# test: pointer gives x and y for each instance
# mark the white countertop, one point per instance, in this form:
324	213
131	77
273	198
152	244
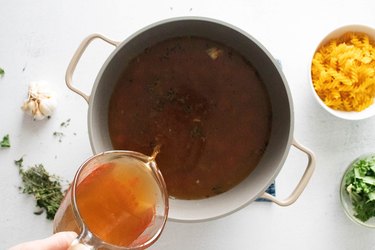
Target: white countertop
37	40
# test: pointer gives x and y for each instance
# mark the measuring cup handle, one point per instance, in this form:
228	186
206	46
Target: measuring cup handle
77	56
302	183
77	245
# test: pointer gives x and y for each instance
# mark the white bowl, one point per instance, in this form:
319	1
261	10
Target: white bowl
348	115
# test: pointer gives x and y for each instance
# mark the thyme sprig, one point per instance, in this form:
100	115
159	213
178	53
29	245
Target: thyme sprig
46	188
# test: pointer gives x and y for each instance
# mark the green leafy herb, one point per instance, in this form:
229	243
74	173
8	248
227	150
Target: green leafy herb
360	185
5	143
2	72
59	135
65	124
19	163
46	188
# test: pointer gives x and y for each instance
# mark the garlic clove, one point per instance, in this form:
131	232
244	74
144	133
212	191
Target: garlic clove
47	106
29	107
38	115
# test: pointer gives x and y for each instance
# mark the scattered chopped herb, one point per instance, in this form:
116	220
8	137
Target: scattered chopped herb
59	135
188	108
65	124
46	188
5	143
2	72
217	189
159	106
360	185
171	95
19	163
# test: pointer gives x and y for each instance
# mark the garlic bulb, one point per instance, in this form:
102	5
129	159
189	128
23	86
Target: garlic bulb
41	102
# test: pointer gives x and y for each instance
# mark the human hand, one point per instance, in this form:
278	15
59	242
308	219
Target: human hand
58	241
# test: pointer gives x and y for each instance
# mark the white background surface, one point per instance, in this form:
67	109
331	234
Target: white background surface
37	40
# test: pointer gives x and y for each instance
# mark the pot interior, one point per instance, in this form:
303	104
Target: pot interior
269	71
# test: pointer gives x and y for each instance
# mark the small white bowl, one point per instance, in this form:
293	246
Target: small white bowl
347	115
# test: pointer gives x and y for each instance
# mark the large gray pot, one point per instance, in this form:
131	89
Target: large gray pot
281	139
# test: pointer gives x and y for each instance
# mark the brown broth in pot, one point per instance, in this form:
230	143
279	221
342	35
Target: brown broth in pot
203	103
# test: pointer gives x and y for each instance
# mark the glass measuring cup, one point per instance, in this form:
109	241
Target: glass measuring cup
118	201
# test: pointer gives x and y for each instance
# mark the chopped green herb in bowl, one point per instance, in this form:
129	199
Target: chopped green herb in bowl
358	190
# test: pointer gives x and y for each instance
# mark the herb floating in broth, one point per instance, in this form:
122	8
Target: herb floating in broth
2	72
46	188
5	143
360	185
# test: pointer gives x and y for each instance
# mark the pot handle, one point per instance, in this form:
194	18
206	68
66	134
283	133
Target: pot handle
302	183
77	56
